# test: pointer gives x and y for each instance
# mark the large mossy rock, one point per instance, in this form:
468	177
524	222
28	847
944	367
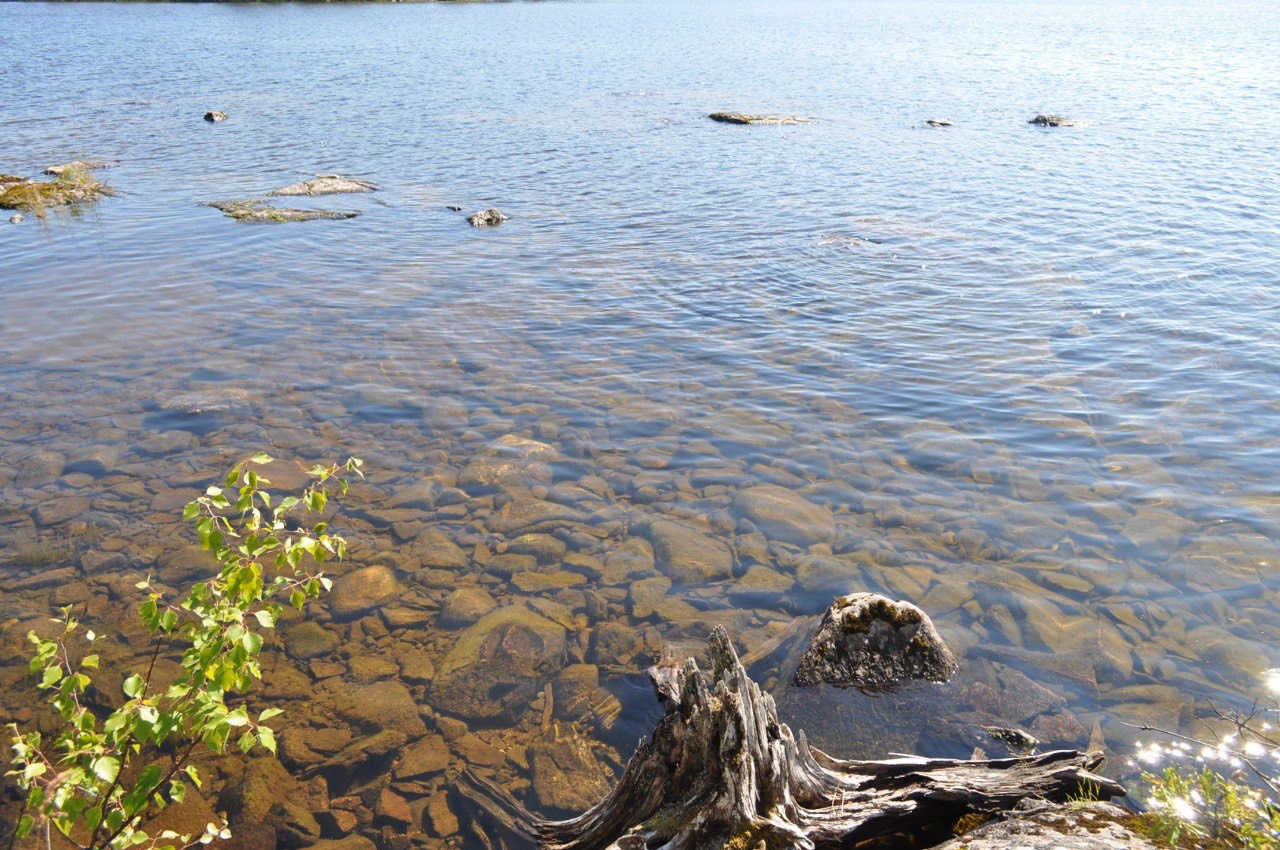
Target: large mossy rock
868	640
499	664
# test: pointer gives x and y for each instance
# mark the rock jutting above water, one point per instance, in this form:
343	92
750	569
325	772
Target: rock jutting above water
1053	121
215	117
258	211
486	218
743	118
868	640
71	187
327	184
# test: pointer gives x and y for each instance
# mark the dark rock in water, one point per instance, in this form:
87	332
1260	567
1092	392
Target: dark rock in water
868	640
1053	121
499	664
742	118
257	211
328	184
215	117
486	218
1018	741
938	122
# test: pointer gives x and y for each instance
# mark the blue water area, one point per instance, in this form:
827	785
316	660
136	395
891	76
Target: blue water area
1031	374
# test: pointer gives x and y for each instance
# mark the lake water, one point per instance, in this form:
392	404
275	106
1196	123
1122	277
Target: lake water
1032	373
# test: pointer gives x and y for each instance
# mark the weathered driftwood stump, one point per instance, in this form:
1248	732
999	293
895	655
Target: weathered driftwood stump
721	770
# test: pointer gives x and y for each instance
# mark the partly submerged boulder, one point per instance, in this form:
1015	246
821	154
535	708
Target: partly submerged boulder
327	184
1053	121
486	218
868	640
72	187
215	117
743	118
259	212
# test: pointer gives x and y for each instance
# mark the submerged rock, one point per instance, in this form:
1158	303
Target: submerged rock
257	211
566	774
786	515
743	118
201	402
688	555
869	640
382	707
215	117
499	664
465	606
1053	121
486	218
327	184
363	590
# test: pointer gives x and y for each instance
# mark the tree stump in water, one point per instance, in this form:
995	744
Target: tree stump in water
721	770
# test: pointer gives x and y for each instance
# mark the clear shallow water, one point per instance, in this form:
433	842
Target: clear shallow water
1033	372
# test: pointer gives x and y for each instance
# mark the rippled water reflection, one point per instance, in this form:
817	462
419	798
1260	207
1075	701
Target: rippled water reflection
1030	373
